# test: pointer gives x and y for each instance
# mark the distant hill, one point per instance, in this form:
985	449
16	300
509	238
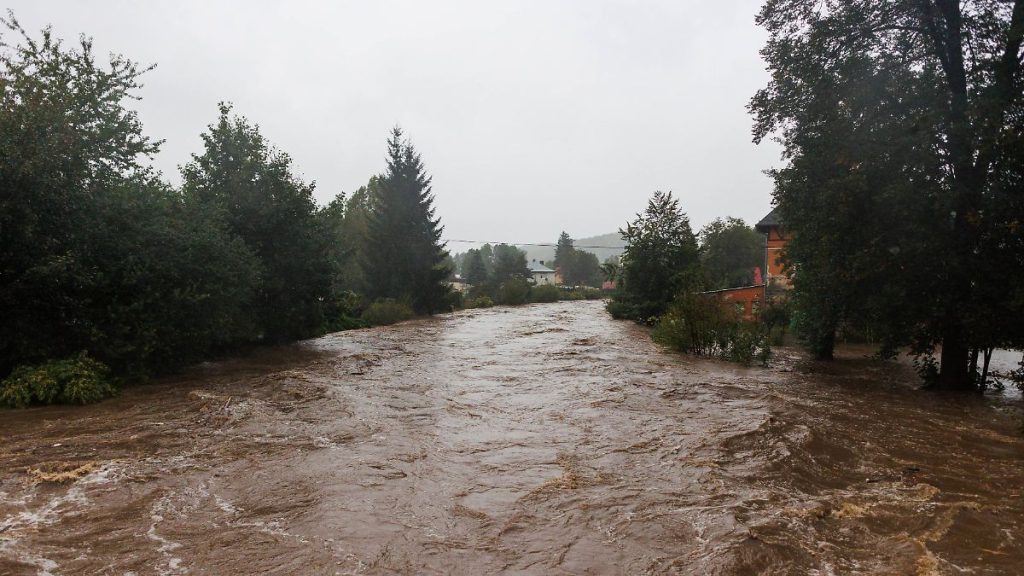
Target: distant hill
611	243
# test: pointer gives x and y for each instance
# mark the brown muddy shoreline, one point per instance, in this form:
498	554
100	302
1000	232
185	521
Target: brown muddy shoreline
546	439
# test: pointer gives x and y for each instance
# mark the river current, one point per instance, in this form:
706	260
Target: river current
544	439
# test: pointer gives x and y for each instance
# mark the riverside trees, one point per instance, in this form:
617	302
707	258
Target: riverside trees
101	260
96	253
902	125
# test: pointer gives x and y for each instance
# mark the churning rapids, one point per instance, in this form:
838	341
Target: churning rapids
546	439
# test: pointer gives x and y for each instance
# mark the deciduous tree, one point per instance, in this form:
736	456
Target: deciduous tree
904	119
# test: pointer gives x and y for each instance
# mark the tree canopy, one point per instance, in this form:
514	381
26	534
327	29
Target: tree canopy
660	259
96	254
901	122
729	252
241	177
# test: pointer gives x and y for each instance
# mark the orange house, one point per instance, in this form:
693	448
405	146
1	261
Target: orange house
777	278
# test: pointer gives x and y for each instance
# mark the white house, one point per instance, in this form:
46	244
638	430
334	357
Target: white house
541	274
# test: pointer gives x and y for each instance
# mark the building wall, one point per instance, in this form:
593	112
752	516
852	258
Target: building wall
778	275
542	278
745	301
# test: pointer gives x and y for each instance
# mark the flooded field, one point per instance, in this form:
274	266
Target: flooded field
546	439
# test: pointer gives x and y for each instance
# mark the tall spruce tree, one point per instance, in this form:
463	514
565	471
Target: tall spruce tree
564	250
404	257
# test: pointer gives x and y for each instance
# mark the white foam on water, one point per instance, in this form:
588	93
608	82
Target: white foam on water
164	546
49	513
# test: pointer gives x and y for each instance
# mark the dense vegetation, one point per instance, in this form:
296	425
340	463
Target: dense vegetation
665	274
661	260
730	252
499	274
578	267
108	273
903	127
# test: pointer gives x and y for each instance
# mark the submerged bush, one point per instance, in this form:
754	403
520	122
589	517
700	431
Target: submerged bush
76	380
478	302
545	293
385	312
514	292
699	325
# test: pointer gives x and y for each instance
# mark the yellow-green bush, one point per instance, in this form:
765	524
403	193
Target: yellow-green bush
544	293
384	312
76	380
699	325
478	302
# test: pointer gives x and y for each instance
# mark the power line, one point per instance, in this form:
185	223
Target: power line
547	245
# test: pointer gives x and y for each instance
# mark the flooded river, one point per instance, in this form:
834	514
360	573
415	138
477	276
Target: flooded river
546	439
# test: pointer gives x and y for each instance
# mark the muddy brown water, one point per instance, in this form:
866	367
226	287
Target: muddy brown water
545	439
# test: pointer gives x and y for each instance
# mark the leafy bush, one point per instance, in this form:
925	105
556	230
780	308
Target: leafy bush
385	312
343	323
342	312
626	308
571	295
696	324
514	292
479	302
454	300
76	380
545	293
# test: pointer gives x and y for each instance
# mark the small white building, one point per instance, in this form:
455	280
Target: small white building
541	274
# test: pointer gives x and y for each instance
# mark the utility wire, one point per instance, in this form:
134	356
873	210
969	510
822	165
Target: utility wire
548	245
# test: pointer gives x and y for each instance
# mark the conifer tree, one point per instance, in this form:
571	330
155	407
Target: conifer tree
405	257
563	250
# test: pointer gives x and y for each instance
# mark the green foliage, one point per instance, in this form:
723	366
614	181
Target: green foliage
386	312
578	267
241	177
342	312
478	302
474	268
509	264
65	136
729	252
902	124
75	380
98	255
584	293
700	325
776	318
404	256
514	292
545	293
660	260
170	284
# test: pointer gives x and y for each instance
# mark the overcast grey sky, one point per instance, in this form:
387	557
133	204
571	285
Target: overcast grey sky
532	116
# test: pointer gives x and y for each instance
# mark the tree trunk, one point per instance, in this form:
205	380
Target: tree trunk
984	369
825	348
954	371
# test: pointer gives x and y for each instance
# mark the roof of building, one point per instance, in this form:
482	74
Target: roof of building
772	219
538	267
